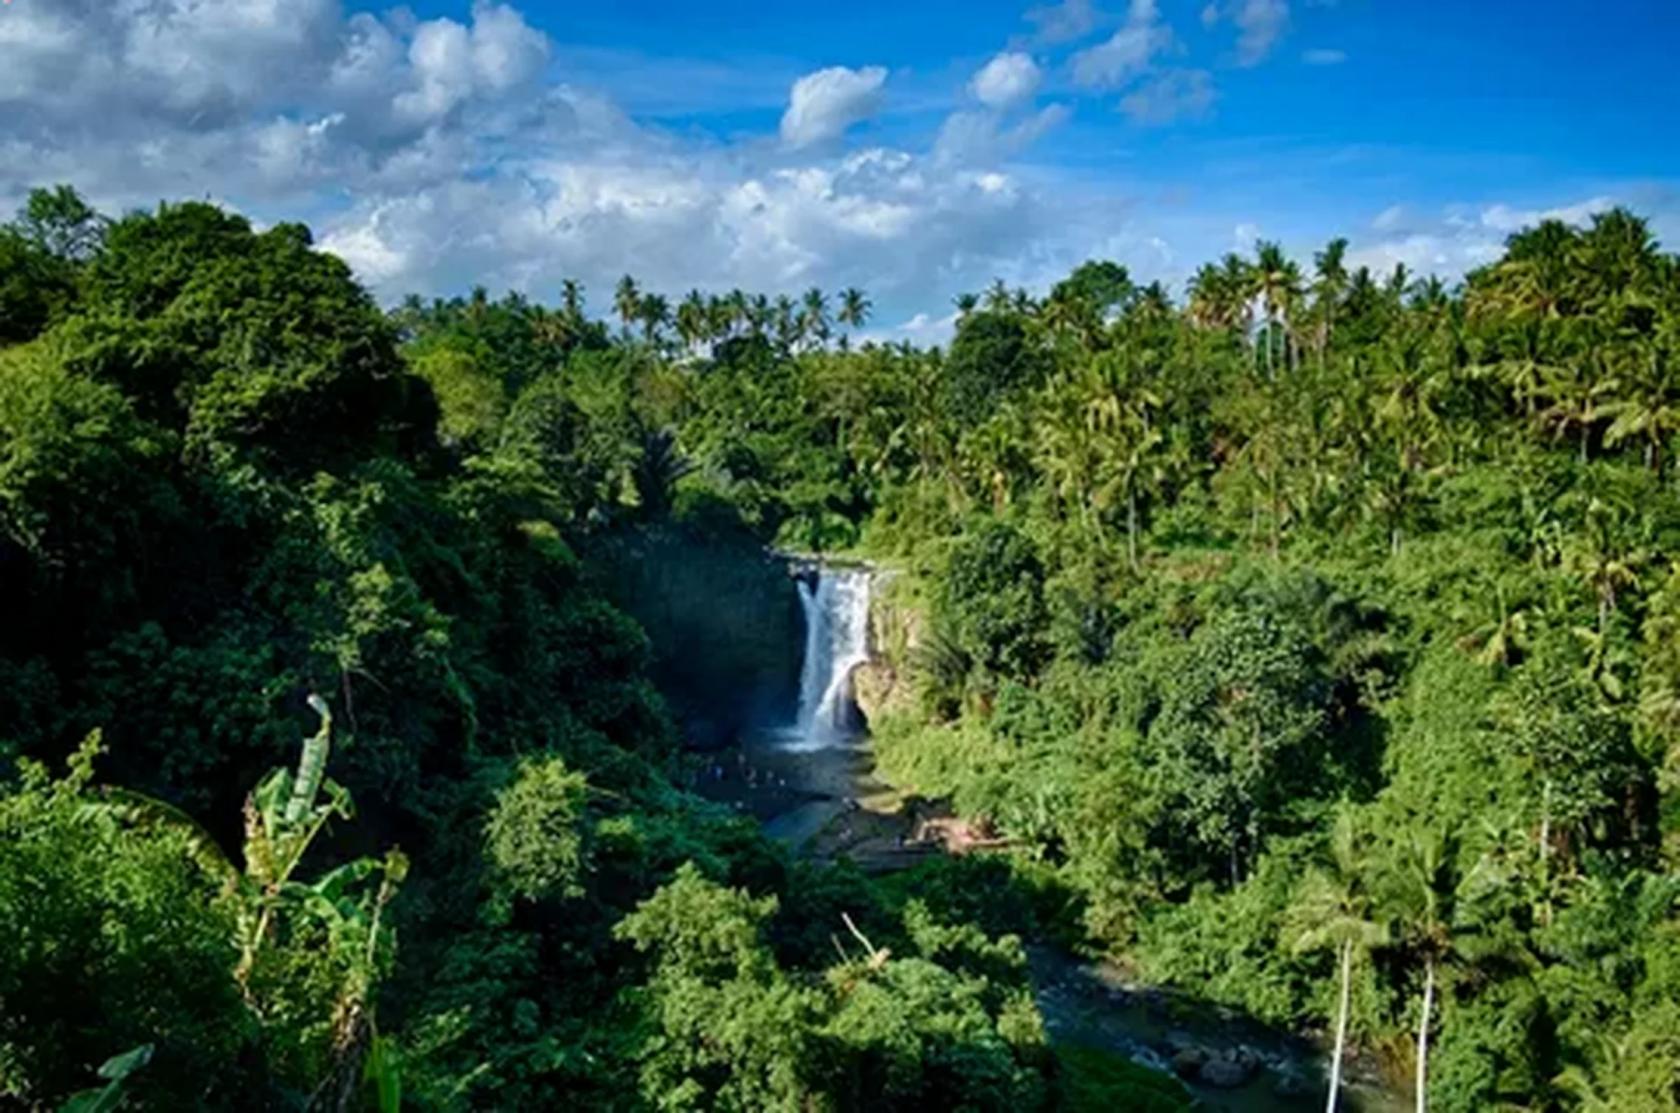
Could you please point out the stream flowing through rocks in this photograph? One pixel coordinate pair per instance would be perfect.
(811, 785)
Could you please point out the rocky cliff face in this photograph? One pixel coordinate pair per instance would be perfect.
(896, 626)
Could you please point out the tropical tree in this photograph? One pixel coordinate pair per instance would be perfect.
(627, 301)
(1643, 398)
(1415, 888)
(854, 309)
(813, 319)
(1334, 911)
(1277, 283)
(1329, 287)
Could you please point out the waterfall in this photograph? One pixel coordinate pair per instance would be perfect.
(836, 607)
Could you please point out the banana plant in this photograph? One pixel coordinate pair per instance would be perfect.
(283, 816)
(109, 1097)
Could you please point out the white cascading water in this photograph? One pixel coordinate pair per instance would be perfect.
(836, 642)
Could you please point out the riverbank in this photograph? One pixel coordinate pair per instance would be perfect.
(825, 802)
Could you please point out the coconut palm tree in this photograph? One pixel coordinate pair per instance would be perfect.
(654, 313)
(1334, 911)
(1417, 889)
(1644, 401)
(784, 321)
(1207, 304)
(854, 309)
(1329, 287)
(693, 320)
(814, 324)
(571, 297)
(627, 301)
(1277, 282)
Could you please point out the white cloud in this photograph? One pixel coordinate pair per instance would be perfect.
(1425, 253)
(677, 218)
(1260, 25)
(1127, 53)
(822, 105)
(1504, 218)
(1391, 219)
(1170, 96)
(982, 137)
(1005, 81)
(1324, 57)
(266, 100)
(1062, 23)
(436, 154)
(921, 329)
(1459, 238)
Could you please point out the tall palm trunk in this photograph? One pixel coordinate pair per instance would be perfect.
(1131, 526)
(1423, 1037)
(1341, 1028)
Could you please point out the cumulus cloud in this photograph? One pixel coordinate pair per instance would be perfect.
(267, 100)
(1062, 23)
(1127, 53)
(1169, 97)
(984, 138)
(822, 105)
(676, 221)
(1006, 81)
(1459, 238)
(1260, 25)
(1504, 218)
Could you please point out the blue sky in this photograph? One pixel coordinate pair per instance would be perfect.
(917, 150)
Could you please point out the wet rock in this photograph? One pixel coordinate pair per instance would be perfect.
(1179, 1040)
(1150, 1059)
(1291, 1084)
(1189, 1062)
(1226, 1072)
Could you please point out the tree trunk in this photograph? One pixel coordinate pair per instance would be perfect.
(1131, 528)
(1341, 1028)
(1546, 852)
(1423, 1036)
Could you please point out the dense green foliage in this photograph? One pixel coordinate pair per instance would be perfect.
(1311, 644)
(229, 481)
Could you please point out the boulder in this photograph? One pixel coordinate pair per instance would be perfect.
(1291, 1084)
(1150, 1059)
(1188, 1062)
(1179, 1040)
(1226, 1072)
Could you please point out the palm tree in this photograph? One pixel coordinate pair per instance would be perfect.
(654, 313)
(1598, 555)
(627, 301)
(1277, 282)
(571, 297)
(1576, 392)
(1333, 910)
(1118, 403)
(1418, 887)
(693, 320)
(813, 317)
(784, 321)
(854, 309)
(1645, 403)
(1207, 305)
(1330, 266)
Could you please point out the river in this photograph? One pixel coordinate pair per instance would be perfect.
(811, 785)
